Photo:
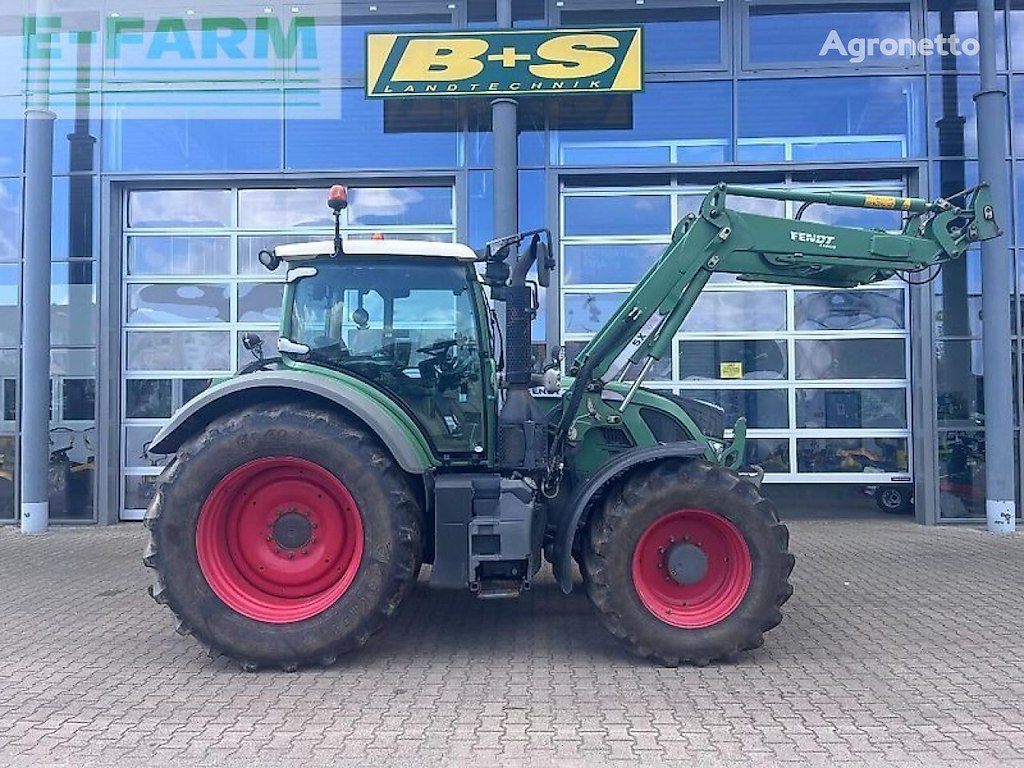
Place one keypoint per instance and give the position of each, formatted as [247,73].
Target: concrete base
[1001,516]
[35,517]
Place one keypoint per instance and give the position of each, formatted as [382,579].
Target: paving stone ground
[901,646]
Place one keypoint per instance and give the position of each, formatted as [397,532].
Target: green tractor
[397,427]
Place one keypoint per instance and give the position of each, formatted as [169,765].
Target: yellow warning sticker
[730,370]
[880,201]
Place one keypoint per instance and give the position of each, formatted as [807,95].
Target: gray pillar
[505,134]
[34,454]
[995,288]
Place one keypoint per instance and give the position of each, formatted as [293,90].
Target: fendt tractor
[397,427]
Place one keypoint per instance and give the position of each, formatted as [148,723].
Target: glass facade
[158,220]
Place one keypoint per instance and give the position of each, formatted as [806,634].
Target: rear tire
[719,536]
[283,536]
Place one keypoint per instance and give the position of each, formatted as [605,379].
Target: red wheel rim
[691,568]
[280,539]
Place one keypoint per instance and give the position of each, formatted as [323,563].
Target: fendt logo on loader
[822,241]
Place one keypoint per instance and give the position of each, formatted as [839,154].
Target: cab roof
[305,251]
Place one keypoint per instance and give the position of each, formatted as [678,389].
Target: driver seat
[363,340]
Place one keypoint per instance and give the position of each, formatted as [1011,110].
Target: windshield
[407,325]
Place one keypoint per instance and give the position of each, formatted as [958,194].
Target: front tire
[687,562]
[894,499]
[283,536]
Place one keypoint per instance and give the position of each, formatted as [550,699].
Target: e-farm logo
[233,66]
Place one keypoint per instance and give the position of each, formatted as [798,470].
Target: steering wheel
[438,347]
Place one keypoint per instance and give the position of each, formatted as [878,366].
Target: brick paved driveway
[902,645]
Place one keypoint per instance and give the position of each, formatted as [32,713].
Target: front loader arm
[771,249]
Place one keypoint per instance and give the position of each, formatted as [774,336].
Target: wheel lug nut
[671,540]
[661,550]
[291,555]
[270,538]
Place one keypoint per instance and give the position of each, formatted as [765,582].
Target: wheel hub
[292,530]
[686,563]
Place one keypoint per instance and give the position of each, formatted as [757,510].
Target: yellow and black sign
[506,62]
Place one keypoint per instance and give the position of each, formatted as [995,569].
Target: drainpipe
[1000,510]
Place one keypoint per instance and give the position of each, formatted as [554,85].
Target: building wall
[734,90]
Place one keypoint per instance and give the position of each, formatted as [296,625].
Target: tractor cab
[402,316]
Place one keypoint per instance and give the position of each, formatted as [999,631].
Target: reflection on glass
[249,249]
[139,490]
[851,359]
[282,208]
[175,350]
[10,216]
[852,454]
[731,311]
[72,472]
[148,399]
[9,397]
[587,312]
[73,315]
[848,310]
[762,408]
[136,448]
[961,474]
[172,303]
[794,32]
[618,215]
[959,383]
[960,17]
[78,399]
[769,453]
[674,38]
[400,206]
[176,255]
[733,359]
[668,122]
[177,208]
[660,371]
[260,302]
[8,454]
[10,306]
[11,132]
[620,263]
[851,409]
[845,118]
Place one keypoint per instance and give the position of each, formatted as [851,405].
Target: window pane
[746,359]
[148,399]
[72,471]
[618,215]
[851,359]
[177,303]
[623,263]
[692,120]
[849,118]
[73,315]
[400,206]
[177,350]
[961,474]
[136,448]
[960,17]
[762,408]
[797,33]
[959,383]
[176,255]
[78,401]
[660,371]
[282,208]
[587,312]
[10,219]
[769,453]
[74,230]
[674,38]
[189,144]
[260,303]
[851,408]
[852,454]
[359,136]
[8,455]
[731,311]
[250,247]
[10,307]
[139,491]
[12,137]
[953,118]
[848,310]
[269,345]
[177,208]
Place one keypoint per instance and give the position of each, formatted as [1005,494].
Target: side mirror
[269,259]
[544,261]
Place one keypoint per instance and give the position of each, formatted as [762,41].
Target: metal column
[505,134]
[35,322]
[996,296]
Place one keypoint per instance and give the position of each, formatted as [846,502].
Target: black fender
[395,430]
[586,494]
